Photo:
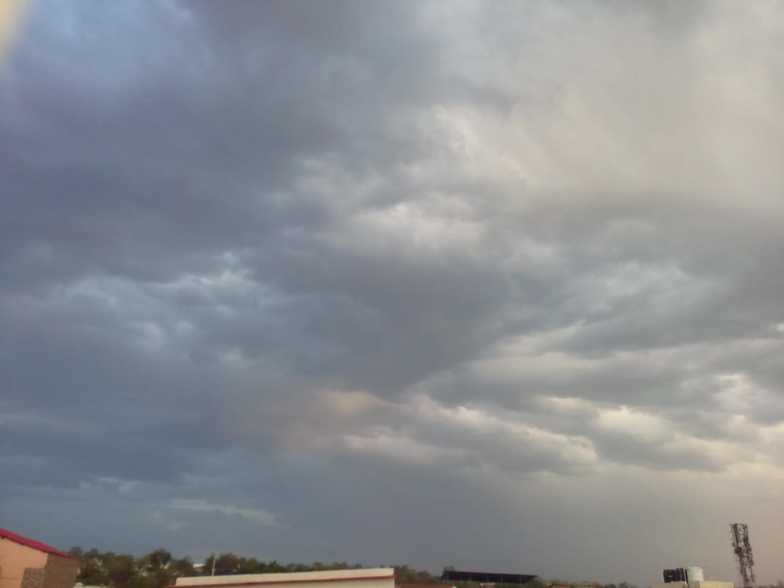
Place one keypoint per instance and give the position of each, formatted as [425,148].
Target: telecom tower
[742,549]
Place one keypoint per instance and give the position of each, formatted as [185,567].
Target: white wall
[362,578]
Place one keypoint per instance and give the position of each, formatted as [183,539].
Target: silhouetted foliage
[160,569]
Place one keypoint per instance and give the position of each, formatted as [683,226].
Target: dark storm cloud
[273,270]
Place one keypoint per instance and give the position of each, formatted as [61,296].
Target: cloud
[301,279]
[11,13]
[261,517]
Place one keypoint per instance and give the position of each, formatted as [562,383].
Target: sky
[495,285]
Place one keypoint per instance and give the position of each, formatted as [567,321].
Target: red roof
[16,538]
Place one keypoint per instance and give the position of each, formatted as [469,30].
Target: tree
[91,567]
[160,569]
[157,569]
[183,567]
[227,563]
[121,570]
[157,560]
[206,570]
[407,575]
[249,565]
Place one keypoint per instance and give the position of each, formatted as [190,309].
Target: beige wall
[704,584]
[60,572]
[390,583]
[43,570]
[362,578]
[34,578]
[14,559]
[711,584]
[677,584]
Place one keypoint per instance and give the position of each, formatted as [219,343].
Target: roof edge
[33,544]
[282,578]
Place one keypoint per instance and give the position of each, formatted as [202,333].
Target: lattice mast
[742,548]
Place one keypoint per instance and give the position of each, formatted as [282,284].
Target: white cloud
[258,516]
[390,445]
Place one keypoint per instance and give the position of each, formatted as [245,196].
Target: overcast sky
[490,284]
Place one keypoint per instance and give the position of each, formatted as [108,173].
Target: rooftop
[486,577]
[32,543]
[289,578]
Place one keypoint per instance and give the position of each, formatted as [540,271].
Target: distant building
[485,578]
[26,563]
[690,577]
[357,578]
[698,584]
[674,575]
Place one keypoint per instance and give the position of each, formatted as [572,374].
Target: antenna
[742,549]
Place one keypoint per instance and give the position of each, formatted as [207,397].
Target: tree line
[160,569]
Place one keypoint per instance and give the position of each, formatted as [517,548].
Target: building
[26,563]
[690,574]
[690,577]
[675,575]
[485,578]
[697,584]
[358,578]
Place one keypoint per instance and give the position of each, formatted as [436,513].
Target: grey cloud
[501,274]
